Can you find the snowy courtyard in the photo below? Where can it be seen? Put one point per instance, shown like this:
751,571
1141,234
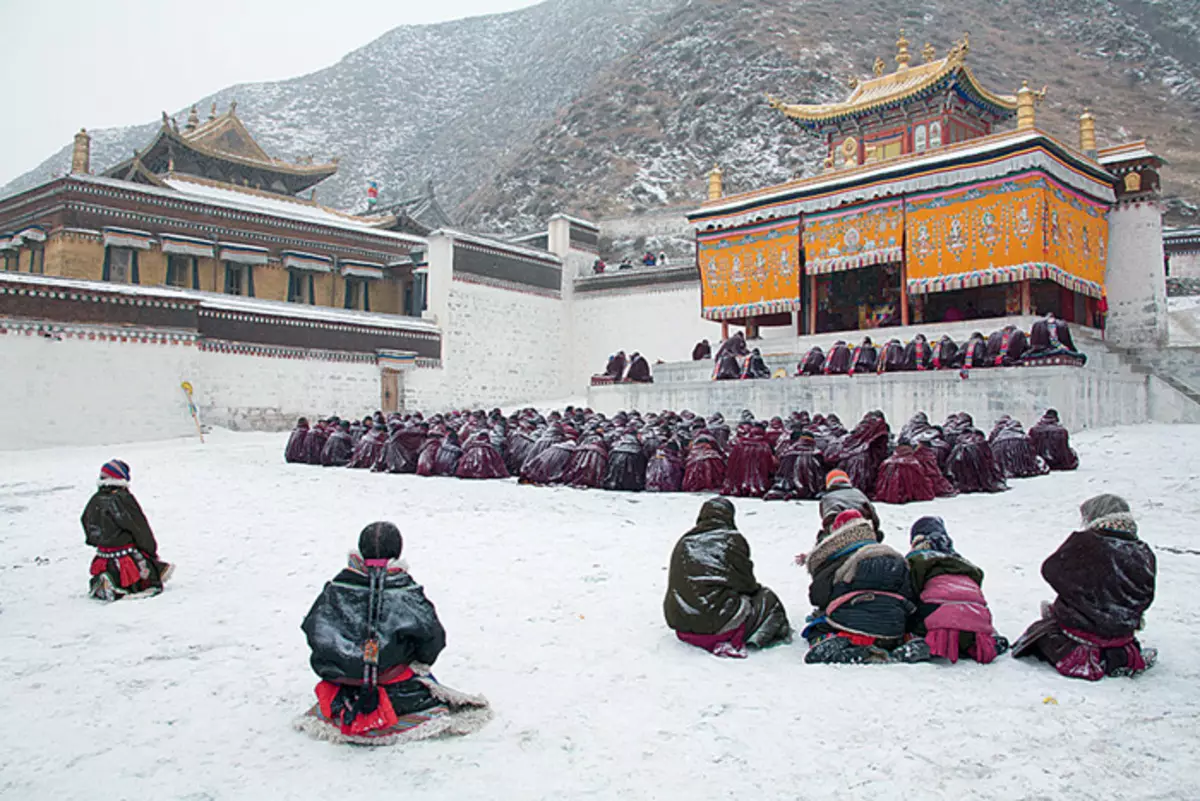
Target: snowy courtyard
552,602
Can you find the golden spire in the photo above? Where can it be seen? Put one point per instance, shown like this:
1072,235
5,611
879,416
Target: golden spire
193,120
902,56
1026,99
715,190
878,68
1087,132
928,53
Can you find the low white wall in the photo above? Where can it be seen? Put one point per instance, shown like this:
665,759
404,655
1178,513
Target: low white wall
660,322
245,392
83,392
1185,265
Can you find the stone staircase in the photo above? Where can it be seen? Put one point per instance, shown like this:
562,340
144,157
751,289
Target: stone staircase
1178,368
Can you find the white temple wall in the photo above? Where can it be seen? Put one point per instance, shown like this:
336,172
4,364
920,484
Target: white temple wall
84,392
1185,265
660,322
1135,281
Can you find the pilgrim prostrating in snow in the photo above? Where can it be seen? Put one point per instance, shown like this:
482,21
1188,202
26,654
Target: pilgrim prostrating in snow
713,600
374,636
126,564
1104,576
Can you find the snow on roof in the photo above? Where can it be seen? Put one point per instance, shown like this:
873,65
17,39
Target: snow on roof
539,255
1130,151
577,220
281,207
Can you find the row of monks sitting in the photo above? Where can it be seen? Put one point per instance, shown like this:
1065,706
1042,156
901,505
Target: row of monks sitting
684,452
616,372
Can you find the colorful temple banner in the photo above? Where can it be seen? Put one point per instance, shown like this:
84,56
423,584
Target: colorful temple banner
849,239
1005,231
751,271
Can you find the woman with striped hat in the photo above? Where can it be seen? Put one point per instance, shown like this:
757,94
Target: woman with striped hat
126,562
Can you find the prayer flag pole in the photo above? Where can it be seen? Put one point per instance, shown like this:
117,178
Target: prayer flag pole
187,390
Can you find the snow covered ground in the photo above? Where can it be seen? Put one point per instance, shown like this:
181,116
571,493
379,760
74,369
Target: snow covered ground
552,601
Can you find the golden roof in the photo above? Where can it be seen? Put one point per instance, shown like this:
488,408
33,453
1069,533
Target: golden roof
907,81
226,137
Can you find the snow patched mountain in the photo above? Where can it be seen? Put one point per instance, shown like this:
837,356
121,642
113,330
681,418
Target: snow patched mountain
606,108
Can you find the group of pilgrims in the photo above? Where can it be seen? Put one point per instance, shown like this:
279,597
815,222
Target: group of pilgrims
776,459
1049,342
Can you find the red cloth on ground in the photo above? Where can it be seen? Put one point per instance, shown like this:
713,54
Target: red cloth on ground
731,643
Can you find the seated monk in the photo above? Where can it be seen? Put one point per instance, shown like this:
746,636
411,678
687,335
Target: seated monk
813,363
704,468
314,443
589,463
861,597
369,447
891,360
481,459
751,463
784,486
728,368
126,563
295,450
1052,442
735,346
928,459
518,444
840,496
917,354
664,473
755,366
339,448
626,465
374,636
702,351
808,467
719,429
1104,576
903,479
427,456
1006,346
615,369
445,463
952,614
837,361
861,453
1013,450
639,370
396,456
713,600
971,466
974,353
1050,338
945,354
549,466
865,357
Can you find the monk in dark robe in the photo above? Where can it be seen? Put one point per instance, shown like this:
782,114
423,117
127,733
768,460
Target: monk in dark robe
1006,346
728,368
813,362
552,434
339,448
751,463
639,370
956,425
589,463
427,456
395,457
775,433
615,369
972,467
837,361
755,366
891,360
664,473
704,468
735,345
702,351
865,357
1051,339
917,354
1013,450
369,447
974,354
445,463
295,450
548,467
314,443
864,450
481,459
784,486
720,430
902,479
1052,442
928,459
626,465
357,429
808,467
945,354
518,443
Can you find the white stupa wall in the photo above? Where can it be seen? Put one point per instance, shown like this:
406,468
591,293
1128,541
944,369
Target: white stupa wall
1135,279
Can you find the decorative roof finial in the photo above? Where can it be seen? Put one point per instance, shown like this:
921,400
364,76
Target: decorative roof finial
902,55
81,155
1026,99
212,111
193,120
929,54
878,68
716,189
233,107
1087,132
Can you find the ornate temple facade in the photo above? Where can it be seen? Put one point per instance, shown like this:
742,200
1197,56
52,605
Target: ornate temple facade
930,207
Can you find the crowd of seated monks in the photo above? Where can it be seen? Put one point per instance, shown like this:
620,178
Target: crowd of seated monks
775,459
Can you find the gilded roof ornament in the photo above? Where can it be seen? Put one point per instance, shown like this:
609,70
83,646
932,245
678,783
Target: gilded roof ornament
902,55
852,83
212,111
928,53
193,119
878,68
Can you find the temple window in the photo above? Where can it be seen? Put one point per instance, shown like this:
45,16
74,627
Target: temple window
920,138
358,294
37,258
935,135
239,279
301,287
181,271
11,260
120,265
886,149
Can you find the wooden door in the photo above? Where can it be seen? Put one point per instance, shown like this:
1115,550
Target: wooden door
389,391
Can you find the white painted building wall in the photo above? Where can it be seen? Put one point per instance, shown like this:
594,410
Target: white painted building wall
659,321
1135,280
1185,265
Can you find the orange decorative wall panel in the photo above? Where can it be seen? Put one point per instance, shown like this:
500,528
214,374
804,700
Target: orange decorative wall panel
850,238
751,270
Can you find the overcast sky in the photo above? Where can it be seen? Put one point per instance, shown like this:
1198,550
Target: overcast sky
67,64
